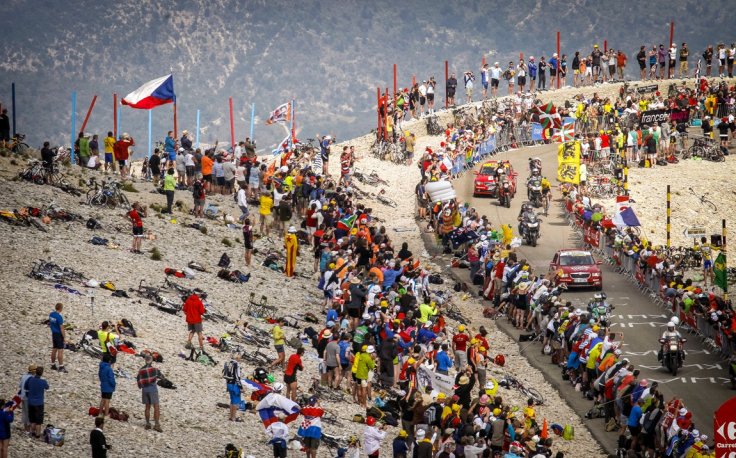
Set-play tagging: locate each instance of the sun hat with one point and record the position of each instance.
(464, 380)
(327, 334)
(371, 349)
(292, 230)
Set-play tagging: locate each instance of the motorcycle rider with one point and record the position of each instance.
(666, 335)
(526, 212)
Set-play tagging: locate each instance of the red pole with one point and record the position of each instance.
(672, 32)
(559, 58)
(447, 76)
(395, 80)
(605, 46)
(115, 115)
(483, 62)
(413, 80)
(176, 133)
(521, 56)
(378, 112)
(232, 125)
(89, 112)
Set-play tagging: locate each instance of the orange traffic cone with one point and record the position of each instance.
(544, 434)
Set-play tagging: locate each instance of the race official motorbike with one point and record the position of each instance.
(530, 223)
(672, 353)
(534, 191)
(504, 194)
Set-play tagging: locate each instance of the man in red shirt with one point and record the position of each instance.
(135, 218)
(122, 153)
(460, 347)
(294, 364)
(193, 310)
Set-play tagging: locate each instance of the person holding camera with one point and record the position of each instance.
(469, 78)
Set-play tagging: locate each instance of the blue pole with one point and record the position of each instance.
(12, 86)
(149, 132)
(196, 140)
(120, 112)
(74, 123)
(252, 120)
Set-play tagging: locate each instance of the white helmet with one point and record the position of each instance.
(671, 325)
(92, 283)
(278, 387)
(675, 320)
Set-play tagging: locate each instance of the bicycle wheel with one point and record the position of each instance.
(97, 199)
(123, 200)
(533, 394)
(696, 151)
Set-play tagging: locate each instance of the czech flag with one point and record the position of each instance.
(152, 94)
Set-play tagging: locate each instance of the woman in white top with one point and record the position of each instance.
(521, 75)
(721, 59)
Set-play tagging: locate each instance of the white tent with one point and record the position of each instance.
(440, 191)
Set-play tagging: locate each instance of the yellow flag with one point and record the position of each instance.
(568, 152)
(568, 172)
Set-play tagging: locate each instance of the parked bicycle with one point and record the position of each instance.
(704, 200)
(509, 382)
(54, 273)
(108, 193)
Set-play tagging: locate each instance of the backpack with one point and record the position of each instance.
(163, 382)
(93, 224)
(224, 261)
(230, 371)
(198, 190)
(568, 433)
(231, 451)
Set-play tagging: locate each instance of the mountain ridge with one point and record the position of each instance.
(329, 56)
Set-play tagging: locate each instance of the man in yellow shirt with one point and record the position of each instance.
(106, 336)
(110, 162)
(278, 342)
(264, 210)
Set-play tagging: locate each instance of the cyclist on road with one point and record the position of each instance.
(546, 193)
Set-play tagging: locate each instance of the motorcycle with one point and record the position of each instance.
(504, 195)
(534, 191)
(600, 310)
(672, 353)
(530, 228)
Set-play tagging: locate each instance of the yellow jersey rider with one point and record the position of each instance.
(546, 193)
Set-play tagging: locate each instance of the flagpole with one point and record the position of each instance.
(232, 125)
(150, 121)
(115, 115)
(252, 120)
(120, 113)
(74, 123)
(197, 136)
(176, 134)
(12, 89)
(89, 112)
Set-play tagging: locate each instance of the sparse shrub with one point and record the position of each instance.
(128, 187)
(226, 241)
(156, 254)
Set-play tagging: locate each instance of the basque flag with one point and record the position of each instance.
(152, 94)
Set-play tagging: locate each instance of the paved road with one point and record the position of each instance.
(702, 382)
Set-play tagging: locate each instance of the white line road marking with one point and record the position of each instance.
(694, 380)
(655, 352)
(652, 324)
(702, 367)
